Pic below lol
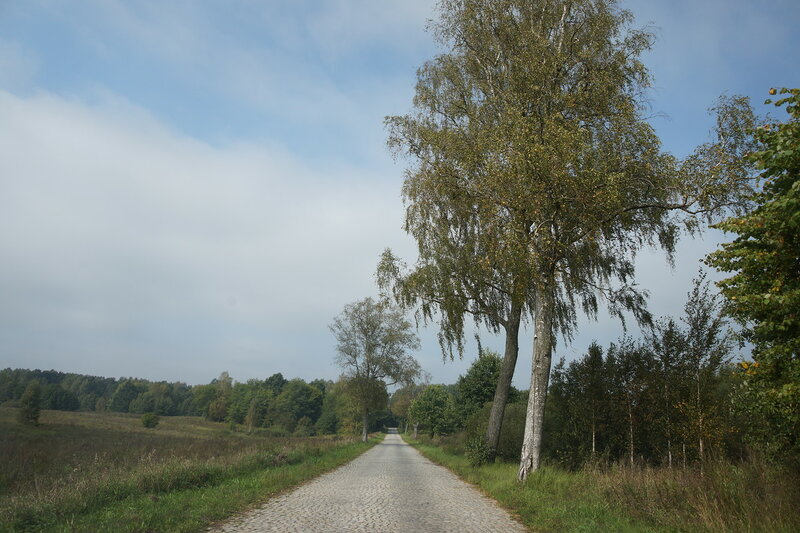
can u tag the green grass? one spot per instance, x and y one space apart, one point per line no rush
551 500
104 471
750 497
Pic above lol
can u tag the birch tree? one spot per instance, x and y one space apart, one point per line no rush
372 340
535 176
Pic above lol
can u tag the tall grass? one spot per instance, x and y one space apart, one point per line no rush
724 497
77 464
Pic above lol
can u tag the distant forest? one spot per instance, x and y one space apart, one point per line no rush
283 406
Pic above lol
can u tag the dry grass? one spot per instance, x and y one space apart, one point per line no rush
76 462
751 496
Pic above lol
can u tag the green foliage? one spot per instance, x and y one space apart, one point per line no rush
749 496
664 400
434 409
372 341
202 396
477 452
126 392
56 397
256 403
764 291
304 427
477 387
150 420
29 404
535 176
297 400
509 445
223 391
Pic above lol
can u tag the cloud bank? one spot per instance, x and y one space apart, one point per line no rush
122 235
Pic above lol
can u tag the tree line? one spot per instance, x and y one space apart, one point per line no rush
281 406
673 398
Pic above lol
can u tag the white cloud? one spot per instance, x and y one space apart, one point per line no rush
113 226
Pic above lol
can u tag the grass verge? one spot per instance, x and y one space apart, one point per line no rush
551 500
104 472
750 497
194 509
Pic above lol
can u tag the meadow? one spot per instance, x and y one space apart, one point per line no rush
96 471
724 497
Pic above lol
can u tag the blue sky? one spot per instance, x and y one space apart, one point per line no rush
192 187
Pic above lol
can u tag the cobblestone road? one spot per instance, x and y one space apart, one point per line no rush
390 488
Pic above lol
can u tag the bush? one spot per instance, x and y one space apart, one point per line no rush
510 446
149 420
29 404
477 452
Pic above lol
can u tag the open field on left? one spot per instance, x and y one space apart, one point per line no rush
105 471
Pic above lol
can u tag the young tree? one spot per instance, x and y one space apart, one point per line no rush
536 177
30 404
257 409
630 369
592 376
708 348
479 385
400 402
372 340
434 409
223 388
667 342
763 293
578 408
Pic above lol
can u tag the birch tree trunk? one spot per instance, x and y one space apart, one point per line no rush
630 431
504 380
669 452
366 424
540 376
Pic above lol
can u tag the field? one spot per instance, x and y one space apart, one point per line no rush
105 471
748 497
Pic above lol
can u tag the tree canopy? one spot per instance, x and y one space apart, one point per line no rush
372 340
764 291
535 176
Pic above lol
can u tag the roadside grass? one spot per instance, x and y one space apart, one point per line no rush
551 499
751 497
105 471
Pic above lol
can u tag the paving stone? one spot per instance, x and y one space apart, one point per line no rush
390 488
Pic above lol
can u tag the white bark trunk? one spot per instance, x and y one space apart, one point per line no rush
630 431
540 376
669 452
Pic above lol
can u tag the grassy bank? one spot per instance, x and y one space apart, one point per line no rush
104 471
725 497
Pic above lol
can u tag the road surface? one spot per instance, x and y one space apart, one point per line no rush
390 488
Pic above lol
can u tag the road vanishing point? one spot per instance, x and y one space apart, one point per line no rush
389 488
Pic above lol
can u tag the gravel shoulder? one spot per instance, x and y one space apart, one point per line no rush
390 488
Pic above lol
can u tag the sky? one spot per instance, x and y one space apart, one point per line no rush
188 188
